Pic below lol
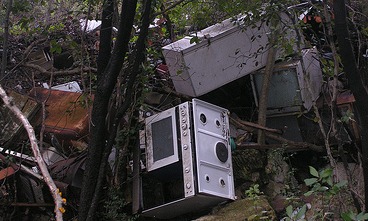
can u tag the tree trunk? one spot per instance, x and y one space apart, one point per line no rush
263 97
355 82
6 37
104 52
133 71
105 85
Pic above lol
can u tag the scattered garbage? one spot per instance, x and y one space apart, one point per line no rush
10 127
72 86
67 114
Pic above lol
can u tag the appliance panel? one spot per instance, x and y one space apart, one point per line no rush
213 152
162 144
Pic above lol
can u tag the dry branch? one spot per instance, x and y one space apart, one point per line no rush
285 143
37 154
58 73
30 47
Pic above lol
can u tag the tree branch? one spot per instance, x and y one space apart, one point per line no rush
170 7
58 73
285 143
37 154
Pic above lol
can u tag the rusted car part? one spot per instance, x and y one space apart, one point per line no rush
10 127
67 114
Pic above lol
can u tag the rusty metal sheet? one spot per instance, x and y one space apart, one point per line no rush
67 113
10 126
345 98
6 172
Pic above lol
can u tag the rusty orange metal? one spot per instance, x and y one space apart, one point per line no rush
6 172
67 113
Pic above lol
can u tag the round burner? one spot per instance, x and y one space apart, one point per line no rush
222 152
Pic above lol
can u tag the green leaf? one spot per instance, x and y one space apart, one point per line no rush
341 184
301 212
55 47
289 211
347 216
362 216
326 173
313 171
323 189
309 193
194 39
310 181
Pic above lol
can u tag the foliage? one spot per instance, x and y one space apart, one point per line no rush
350 216
297 214
347 117
201 14
114 206
322 182
253 191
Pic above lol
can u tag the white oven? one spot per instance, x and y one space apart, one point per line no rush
188 160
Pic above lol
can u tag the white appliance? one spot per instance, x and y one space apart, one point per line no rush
227 51
293 88
188 160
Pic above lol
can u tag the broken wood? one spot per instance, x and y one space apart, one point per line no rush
285 143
